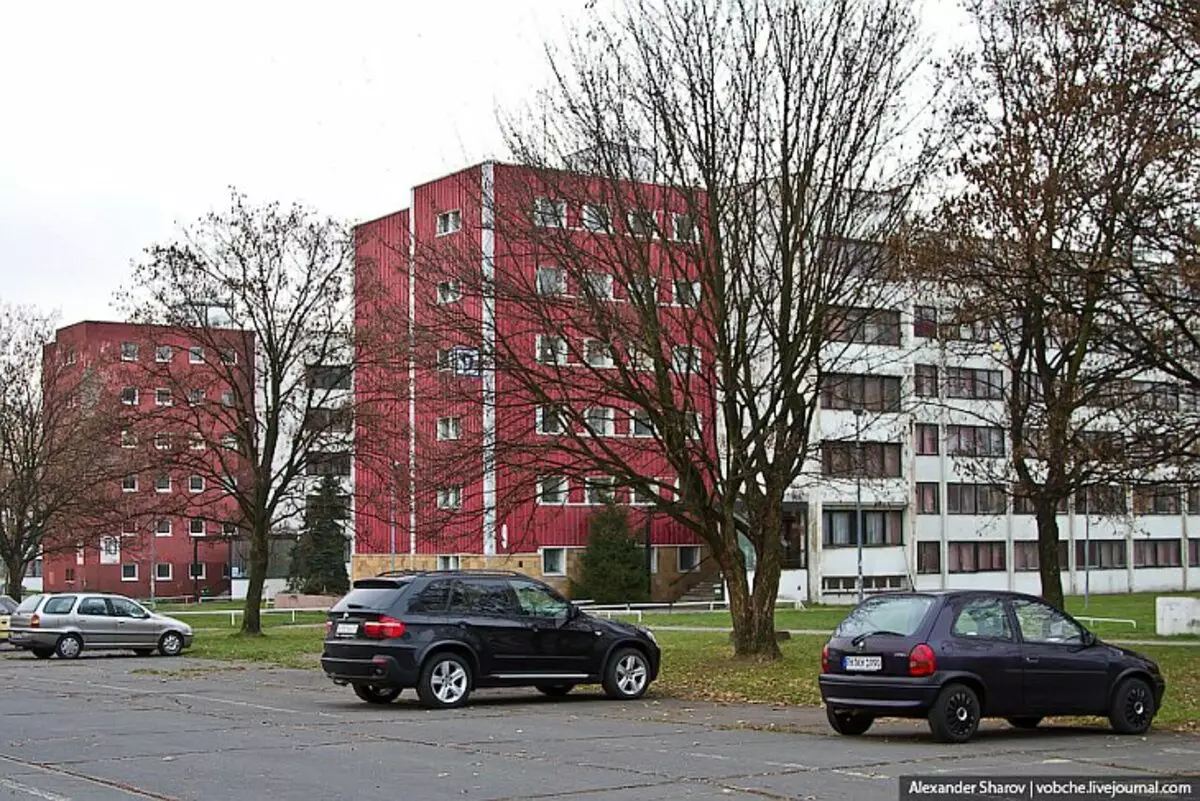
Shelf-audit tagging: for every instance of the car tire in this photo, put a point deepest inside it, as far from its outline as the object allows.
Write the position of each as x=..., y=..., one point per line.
x=627, y=674
x=42, y=653
x=69, y=646
x=445, y=681
x=555, y=690
x=849, y=724
x=954, y=716
x=170, y=644
x=377, y=695
x=1132, y=709
x=1024, y=723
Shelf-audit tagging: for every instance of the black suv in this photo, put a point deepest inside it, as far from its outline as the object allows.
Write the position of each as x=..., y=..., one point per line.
x=956, y=656
x=447, y=633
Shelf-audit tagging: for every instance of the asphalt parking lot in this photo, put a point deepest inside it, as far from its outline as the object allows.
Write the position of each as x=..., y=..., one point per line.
x=104, y=728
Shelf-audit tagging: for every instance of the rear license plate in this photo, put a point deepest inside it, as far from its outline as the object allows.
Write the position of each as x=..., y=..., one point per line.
x=862, y=663
x=347, y=629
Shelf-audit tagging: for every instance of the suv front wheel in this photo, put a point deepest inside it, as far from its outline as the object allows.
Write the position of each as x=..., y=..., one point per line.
x=627, y=675
x=445, y=681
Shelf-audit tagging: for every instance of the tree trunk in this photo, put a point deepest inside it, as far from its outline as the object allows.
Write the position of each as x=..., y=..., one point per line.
x=752, y=610
x=1048, y=566
x=15, y=570
x=251, y=615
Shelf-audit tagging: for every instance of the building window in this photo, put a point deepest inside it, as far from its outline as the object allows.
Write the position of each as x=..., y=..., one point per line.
x=162, y=441
x=964, y=382
x=448, y=222
x=642, y=223
x=687, y=293
x=549, y=213
x=880, y=528
x=597, y=353
x=128, y=528
x=975, y=499
x=870, y=392
x=929, y=557
x=1156, y=395
x=162, y=483
x=196, y=483
x=229, y=530
x=196, y=397
x=600, y=421
x=554, y=561
x=129, y=351
x=69, y=575
x=1023, y=504
x=162, y=527
x=794, y=542
x=128, y=438
x=228, y=356
x=129, y=572
x=598, y=490
x=974, y=441
x=640, y=424
x=927, y=498
x=327, y=463
x=551, y=349
x=925, y=381
x=196, y=441
x=1194, y=553
x=129, y=484
x=552, y=490
x=1157, y=553
x=449, y=428
x=643, y=289
x=689, y=558
x=925, y=322
x=196, y=527
x=873, y=459
x=227, y=398
x=448, y=292
x=197, y=571
x=865, y=326
x=1026, y=558
x=163, y=353
x=1156, y=500
x=1102, y=500
x=684, y=228
x=162, y=571
x=449, y=498
x=551, y=420
x=974, y=557
x=551, y=281
x=328, y=376
x=600, y=285
x=596, y=218
x=448, y=562
x=129, y=396
x=1101, y=554
x=685, y=359
x=925, y=437
x=196, y=354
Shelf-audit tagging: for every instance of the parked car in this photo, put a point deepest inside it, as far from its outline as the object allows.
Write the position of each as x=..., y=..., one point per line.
x=69, y=623
x=956, y=657
x=447, y=633
x=7, y=607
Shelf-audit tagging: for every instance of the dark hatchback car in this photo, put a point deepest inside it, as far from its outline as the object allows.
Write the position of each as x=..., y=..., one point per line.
x=447, y=633
x=958, y=656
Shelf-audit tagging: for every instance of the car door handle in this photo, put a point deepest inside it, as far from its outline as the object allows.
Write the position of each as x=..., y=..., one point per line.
x=1031, y=660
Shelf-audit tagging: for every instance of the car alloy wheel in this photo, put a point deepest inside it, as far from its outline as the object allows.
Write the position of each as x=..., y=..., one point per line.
x=954, y=717
x=445, y=681
x=69, y=646
x=1133, y=707
x=170, y=644
x=628, y=674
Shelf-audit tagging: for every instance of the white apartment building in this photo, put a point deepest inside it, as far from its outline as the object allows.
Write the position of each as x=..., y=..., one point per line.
x=930, y=518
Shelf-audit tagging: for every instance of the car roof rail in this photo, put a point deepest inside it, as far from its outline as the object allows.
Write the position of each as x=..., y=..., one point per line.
x=467, y=571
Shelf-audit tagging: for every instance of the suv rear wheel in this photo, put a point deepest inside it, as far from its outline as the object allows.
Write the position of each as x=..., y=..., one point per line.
x=627, y=674
x=445, y=681
x=376, y=695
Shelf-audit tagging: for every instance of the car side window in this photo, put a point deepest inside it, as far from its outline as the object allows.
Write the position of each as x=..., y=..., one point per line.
x=982, y=618
x=59, y=606
x=95, y=607
x=538, y=600
x=1043, y=623
x=123, y=608
x=432, y=600
x=483, y=597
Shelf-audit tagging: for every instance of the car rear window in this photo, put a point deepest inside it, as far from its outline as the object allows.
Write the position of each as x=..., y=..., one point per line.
x=899, y=614
x=59, y=606
x=30, y=603
x=371, y=595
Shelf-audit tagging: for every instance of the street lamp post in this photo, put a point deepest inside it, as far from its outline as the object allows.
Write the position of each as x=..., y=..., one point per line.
x=858, y=521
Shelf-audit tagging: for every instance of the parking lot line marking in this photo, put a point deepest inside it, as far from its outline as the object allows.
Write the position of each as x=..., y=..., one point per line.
x=54, y=770
x=10, y=784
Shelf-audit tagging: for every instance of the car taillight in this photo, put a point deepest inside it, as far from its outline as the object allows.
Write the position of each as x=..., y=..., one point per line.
x=383, y=629
x=825, y=659
x=35, y=621
x=921, y=661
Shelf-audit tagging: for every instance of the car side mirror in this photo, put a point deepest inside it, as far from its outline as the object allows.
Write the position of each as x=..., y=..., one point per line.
x=1089, y=639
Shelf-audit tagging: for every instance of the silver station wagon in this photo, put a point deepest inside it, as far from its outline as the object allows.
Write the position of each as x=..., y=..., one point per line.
x=66, y=624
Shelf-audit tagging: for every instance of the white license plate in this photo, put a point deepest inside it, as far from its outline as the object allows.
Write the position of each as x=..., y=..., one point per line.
x=347, y=629
x=862, y=663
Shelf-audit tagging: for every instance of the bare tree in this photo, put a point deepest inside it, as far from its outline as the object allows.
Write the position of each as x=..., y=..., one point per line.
x=263, y=296
x=710, y=190
x=1071, y=128
x=60, y=466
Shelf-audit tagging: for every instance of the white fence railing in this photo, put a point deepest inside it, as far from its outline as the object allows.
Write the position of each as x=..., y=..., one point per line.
x=639, y=610
x=1125, y=620
x=234, y=614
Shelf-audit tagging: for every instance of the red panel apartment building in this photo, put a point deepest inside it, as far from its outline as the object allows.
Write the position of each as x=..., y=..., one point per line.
x=173, y=524
x=501, y=514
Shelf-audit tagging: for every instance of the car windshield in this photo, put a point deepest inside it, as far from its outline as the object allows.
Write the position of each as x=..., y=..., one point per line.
x=371, y=595
x=893, y=614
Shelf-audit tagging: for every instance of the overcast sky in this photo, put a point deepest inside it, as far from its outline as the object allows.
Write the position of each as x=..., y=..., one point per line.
x=121, y=120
